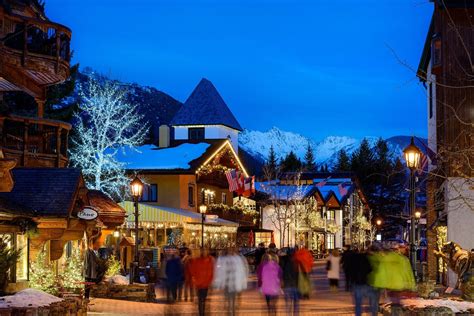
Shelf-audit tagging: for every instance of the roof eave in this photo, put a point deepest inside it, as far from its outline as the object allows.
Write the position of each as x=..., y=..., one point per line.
x=426, y=54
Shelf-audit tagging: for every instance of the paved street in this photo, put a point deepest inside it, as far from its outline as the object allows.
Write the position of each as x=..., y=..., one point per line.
x=322, y=302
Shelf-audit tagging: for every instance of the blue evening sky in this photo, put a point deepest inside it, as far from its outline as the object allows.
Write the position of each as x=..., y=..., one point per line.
x=319, y=68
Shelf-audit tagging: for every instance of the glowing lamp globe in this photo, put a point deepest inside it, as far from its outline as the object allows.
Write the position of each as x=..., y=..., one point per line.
x=203, y=209
x=288, y=220
x=378, y=222
x=417, y=214
x=412, y=155
x=136, y=187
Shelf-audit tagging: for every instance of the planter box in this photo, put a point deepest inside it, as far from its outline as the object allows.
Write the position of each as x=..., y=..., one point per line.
x=129, y=292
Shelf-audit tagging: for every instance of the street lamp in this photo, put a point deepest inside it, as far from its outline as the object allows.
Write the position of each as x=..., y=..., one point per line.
x=202, y=210
x=136, y=188
x=288, y=221
x=378, y=223
x=412, y=158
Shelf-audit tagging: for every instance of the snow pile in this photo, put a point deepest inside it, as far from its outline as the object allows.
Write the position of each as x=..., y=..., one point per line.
x=455, y=306
x=151, y=157
x=28, y=298
x=119, y=279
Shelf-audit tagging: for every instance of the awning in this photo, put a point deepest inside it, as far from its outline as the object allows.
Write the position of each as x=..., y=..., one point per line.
x=161, y=214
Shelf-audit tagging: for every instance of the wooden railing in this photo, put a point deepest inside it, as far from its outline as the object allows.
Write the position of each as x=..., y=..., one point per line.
x=36, y=37
x=34, y=142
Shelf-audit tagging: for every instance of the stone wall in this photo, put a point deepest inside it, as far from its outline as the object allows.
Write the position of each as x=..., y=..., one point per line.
x=129, y=292
x=71, y=306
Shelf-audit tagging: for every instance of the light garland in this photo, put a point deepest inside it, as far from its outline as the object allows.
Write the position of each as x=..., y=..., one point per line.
x=226, y=143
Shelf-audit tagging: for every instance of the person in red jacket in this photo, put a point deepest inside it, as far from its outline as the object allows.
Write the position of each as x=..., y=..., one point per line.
x=202, y=273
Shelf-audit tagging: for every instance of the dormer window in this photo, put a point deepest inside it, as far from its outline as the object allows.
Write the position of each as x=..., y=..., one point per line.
x=196, y=133
x=436, y=50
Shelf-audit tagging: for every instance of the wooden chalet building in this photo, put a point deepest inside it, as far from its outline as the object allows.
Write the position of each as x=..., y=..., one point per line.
x=446, y=70
x=341, y=215
x=39, y=196
x=187, y=170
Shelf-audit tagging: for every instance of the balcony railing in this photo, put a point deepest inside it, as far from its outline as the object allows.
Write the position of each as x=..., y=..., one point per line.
x=36, y=37
x=34, y=142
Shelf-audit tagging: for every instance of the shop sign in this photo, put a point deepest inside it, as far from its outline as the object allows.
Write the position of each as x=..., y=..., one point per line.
x=211, y=218
x=88, y=214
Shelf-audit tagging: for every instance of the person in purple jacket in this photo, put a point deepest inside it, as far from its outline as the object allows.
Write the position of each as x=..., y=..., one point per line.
x=270, y=275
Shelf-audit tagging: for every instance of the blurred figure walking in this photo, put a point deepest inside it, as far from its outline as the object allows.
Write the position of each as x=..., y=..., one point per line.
x=289, y=269
x=231, y=275
x=174, y=276
x=270, y=274
x=188, y=287
x=346, y=261
x=202, y=274
x=333, y=268
x=304, y=264
x=358, y=274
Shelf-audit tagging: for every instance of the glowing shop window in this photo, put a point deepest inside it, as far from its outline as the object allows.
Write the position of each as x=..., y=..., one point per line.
x=22, y=264
x=330, y=241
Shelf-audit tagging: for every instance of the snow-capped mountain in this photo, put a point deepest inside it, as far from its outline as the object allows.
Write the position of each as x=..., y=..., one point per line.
x=258, y=144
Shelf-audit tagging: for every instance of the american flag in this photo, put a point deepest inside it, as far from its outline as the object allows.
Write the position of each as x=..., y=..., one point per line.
x=231, y=176
x=342, y=190
x=424, y=162
x=322, y=183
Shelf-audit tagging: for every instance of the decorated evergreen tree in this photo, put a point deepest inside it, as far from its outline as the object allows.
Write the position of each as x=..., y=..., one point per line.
x=42, y=276
x=72, y=277
x=309, y=163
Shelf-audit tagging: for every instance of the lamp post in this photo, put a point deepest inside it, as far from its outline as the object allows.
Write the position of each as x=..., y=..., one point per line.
x=202, y=210
x=378, y=222
x=136, y=188
x=412, y=158
x=288, y=221
x=417, y=242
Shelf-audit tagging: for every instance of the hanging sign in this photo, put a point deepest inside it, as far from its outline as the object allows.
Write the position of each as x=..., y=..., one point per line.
x=88, y=214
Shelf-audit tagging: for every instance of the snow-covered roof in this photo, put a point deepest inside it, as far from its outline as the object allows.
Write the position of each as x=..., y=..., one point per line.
x=151, y=157
x=205, y=106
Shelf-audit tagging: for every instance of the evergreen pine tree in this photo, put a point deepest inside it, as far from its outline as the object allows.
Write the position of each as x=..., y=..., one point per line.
x=309, y=163
x=72, y=275
x=291, y=163
x=42, y=275
x=343, y=162
x=270, y=167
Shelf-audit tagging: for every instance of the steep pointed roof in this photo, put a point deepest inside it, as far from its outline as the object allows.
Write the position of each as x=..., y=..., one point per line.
x=205, y=106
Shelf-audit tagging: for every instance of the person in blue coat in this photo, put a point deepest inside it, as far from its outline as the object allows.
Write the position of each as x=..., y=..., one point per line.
x=174, y=275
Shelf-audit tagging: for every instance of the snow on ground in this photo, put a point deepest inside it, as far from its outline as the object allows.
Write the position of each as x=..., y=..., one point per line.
x=151, y=157
x=28, y=298
x=455, y=306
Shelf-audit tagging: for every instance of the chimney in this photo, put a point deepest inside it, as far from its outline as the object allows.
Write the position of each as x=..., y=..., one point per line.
x=164, y=136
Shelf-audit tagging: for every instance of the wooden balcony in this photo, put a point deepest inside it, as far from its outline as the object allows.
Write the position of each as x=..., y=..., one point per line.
x=34, y=52
x=34, y=142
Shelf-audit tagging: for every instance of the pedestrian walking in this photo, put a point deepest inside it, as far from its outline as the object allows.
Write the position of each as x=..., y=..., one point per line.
x=93, y=271
x=174, y=276
x=289, y=269
x=188, y=287
x=259, y=253
x=271, y=275
x=346, y=262
x=202, y=274
x=359, y=273
x=304, y=262
x=333, y=268
x=231, y=275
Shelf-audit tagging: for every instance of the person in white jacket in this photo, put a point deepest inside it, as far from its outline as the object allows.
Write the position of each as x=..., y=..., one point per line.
x=231, y=275
x=333, y=266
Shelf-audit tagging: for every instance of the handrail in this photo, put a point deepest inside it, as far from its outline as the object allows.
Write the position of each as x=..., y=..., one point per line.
x=35, y=120
x=46, y=23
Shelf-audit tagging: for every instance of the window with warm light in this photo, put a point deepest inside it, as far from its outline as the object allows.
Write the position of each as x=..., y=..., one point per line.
x=330, y=241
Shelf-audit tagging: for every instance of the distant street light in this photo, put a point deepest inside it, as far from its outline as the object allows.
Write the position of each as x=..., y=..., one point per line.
x=136, y=188
x=378, y=222
x=412, y=158
x=202, y=210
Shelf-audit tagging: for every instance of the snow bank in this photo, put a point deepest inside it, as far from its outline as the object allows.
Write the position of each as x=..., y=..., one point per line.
x=28, y=298
x=119, y=279
x=455, y=306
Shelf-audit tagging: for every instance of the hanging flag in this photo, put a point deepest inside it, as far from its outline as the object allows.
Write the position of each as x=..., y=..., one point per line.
x=424, y=162
x=240, y=183
x=231, y=176
x=323, y=183
x=342, y=190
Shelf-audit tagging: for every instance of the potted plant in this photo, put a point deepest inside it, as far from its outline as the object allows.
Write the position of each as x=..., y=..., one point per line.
x=8, y=259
